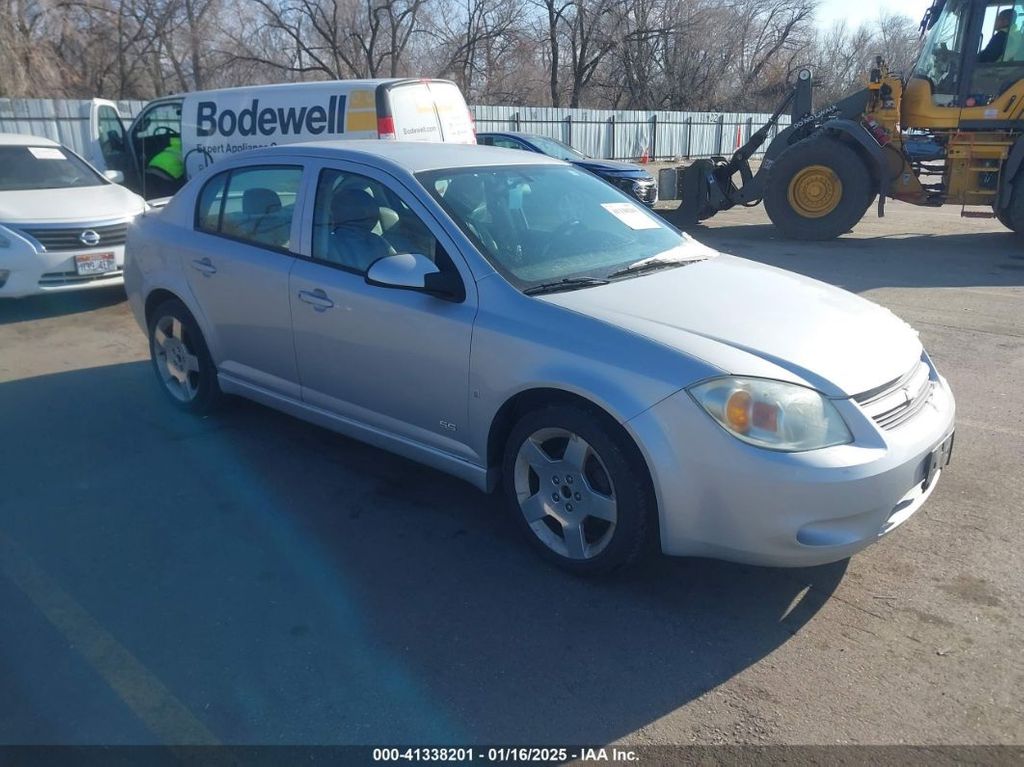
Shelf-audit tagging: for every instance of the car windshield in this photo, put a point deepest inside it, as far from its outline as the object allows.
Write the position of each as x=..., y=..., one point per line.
x=556, y=149
x=43, y=167
x=542, y=224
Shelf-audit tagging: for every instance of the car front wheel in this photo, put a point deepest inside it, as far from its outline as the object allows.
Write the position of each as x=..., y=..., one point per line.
x=580, y=493
x=181, y=360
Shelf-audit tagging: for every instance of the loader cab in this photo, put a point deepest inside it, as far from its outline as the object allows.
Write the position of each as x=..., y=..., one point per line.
x=971, y=66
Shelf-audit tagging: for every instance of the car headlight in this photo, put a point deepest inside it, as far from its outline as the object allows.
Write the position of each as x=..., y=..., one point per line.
x=772, y=414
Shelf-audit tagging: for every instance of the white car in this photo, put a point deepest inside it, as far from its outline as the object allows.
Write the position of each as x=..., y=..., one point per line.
x=62, y=223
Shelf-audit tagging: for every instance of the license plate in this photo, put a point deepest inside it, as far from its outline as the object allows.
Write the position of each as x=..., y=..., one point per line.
x=939, y=459
x=95, y=263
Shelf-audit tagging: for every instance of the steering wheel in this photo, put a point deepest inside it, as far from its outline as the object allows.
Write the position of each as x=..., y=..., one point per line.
x=164, y=130
x=564, y=232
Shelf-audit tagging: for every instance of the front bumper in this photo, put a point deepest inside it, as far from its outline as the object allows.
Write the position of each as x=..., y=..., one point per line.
x=721, y=498
x=31, y=272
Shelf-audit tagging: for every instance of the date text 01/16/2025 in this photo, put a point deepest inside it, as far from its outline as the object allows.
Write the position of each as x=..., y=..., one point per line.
x=497, y=754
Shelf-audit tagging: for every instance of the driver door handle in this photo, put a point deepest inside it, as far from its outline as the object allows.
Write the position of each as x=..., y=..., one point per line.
x=317, y=299
x=204, y=265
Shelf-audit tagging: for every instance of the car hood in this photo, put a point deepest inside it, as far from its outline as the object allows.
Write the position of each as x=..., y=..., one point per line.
x=746, y=318
x=610, y=166
x=89, y=203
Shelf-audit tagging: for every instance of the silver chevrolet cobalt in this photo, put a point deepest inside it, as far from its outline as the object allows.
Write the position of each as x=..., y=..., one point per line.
x=527, y=327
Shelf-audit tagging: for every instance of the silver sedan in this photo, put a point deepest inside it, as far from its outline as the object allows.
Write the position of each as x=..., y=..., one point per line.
x=526, y=327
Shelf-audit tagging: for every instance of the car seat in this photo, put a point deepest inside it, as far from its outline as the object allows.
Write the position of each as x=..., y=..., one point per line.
x=262, y=218
x=355, y=221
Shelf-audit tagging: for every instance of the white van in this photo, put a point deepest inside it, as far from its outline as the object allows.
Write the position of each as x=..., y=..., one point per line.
x=174, y=138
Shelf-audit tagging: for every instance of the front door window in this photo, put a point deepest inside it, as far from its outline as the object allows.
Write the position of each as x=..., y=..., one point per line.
x=941, y=55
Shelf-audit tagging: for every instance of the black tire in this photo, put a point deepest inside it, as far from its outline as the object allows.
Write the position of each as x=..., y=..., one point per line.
x=845, y=166
x=200, y=392
x=1012, y=216
x=613, y=471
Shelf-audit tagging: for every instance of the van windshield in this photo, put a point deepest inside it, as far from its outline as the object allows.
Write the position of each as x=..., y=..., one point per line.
x=43, y=167
x=543, y=224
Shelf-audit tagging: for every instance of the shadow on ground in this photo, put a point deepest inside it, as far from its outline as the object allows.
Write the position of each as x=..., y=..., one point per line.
x=290, y=585
x=58, y=304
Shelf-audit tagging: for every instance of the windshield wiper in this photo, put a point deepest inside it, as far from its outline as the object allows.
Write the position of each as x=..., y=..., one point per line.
x=569, y=283
x=652, y=265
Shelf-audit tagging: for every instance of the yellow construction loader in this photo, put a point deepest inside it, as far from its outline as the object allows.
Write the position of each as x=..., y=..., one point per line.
x=950, y=133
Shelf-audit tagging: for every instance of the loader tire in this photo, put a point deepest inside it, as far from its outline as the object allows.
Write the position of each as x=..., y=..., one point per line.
x=1012, y=216
x=818, y=189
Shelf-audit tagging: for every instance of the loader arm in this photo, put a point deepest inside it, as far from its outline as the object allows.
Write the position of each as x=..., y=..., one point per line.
x=708, y=186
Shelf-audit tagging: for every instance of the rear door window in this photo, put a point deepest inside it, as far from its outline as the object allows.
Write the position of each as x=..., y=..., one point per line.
x=508, y=143
x=253, y=205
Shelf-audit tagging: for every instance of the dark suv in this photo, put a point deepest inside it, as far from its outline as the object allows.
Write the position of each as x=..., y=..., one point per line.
x=630, y=178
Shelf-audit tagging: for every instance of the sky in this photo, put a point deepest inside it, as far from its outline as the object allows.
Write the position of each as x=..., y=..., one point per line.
x=856, y=11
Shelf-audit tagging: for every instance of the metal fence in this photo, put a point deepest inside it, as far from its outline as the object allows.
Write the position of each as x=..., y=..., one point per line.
x=63, y=120
x=630, y=135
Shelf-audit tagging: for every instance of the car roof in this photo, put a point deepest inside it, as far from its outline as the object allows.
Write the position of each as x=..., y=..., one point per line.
x=24, y=139
x=346, y=85
x=412, y=156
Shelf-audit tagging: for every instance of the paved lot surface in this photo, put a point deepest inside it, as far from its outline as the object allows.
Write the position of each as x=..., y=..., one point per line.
x=248, y=578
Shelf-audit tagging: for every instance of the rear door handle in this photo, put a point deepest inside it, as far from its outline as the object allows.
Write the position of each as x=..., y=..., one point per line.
x=204, y=265
x=317, y=299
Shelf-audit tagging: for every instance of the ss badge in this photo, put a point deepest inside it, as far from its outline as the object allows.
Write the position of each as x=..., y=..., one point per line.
x=448, y=426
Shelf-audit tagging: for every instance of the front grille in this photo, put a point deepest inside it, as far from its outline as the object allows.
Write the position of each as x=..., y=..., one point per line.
x=646, y=191
x=69, y=238
x=900, y=400
x=55, y=279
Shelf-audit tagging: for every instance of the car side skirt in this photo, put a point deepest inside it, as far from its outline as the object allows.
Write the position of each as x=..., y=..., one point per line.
x=414, y=451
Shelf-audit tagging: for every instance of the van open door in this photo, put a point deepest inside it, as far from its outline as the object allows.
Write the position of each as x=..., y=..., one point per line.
x=154, y=140
x=107, y=148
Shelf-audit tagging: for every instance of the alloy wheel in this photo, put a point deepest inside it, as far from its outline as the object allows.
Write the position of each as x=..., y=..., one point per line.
x=565, y=493
x=176, y=359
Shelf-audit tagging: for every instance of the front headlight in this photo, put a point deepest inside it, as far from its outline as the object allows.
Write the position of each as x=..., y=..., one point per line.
x=773, y=414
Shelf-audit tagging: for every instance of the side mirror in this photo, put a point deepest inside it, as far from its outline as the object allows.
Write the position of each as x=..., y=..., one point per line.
x=413, y=271
x=114, y=175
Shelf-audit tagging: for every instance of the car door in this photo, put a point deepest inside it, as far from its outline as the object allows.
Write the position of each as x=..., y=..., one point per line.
x=237, y=260
x=109, y=147
x=395, y=360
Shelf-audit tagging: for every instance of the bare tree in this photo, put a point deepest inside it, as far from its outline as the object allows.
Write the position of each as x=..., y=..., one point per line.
x=27, y=41
x=469, y=38
x=332, y=38
x=842, y=55
x=669, y=54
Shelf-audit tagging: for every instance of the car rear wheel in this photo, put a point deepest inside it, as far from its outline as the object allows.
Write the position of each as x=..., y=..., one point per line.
x=580, y=493
x=181, y=360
